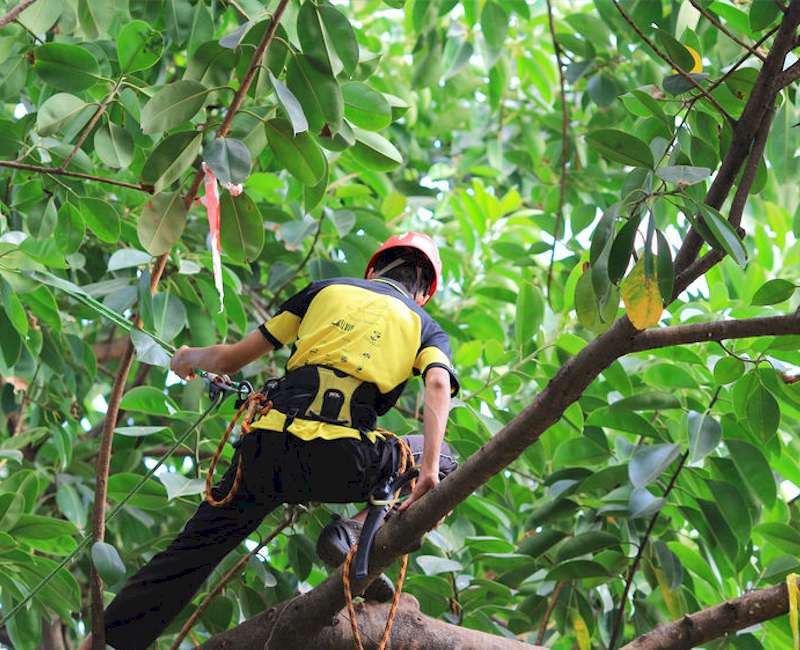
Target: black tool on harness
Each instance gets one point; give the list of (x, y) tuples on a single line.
[(381, 501)]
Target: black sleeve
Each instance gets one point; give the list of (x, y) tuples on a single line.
[(434, 352), (282, 328)]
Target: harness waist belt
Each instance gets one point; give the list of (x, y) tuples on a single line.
[(321, 402)]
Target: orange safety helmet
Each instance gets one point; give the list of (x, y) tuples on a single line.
[(418, 241)]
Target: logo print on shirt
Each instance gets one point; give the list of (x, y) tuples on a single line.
[(343, 325)]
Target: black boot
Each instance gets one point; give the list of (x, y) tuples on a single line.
[(333, 545)]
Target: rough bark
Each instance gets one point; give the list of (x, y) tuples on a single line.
[(413, 630), (715, 622)]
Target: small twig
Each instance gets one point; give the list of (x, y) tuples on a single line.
[(300, 267), (230, 575), (549, 612), (742, 60), (662, 55), (617, 630), (562, 184), (90, 125), (87, 177), (16, 11), (716, 22)]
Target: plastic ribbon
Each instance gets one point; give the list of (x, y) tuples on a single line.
[(212, 208), (794, 598)]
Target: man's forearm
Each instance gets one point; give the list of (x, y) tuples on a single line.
[(211, 358), (437, 409)]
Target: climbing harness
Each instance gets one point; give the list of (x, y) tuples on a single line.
[(255, 403), (382, 500)]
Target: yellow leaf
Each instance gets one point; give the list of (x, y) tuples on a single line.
[(668, 595), (581, 632), (698, 62), (641, 297)]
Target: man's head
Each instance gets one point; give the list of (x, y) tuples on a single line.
[(412, 260)]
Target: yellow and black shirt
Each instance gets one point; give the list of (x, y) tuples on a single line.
[(369, 329)]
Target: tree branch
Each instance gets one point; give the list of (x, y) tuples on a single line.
[(716, 331), (714, 622), (790, 75), (16, 11), (714, 21), (662, 55), (562, 183), (412, 629), (89, 126), (13, 164), (546, 618)]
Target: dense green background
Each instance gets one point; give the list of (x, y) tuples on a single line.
[(438, 115)]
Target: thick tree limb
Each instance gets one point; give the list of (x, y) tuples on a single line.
[(14, 12), (716, 331), (13, 164), (790, 75), (715, 622), (412, 630)]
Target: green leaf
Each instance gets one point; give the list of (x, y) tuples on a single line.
[(12, 505), (301, 555), (169, 315), (724, 233), (365, 107), (728, 369), (229, 159), (114, 146), (94, 18), (290, 104), (40, 16), (683, 174), (529, 313), (57, 112), (317, 44), (149, 400), (173, 105), (107, 562), (162, 222), (649, 462), (433, 565), (602, 90), (318, 93), (65, 67), (754, 469), (181, 486), (102, 218), (585, 543), (150, 496), (375, 152), (621, 147), (138, 431), (649, 401), (494, 25), (665, 270), (677, 52), (15, 312), (763, 413), (622, 249), (677, 84), (763, 13), (786, 538), (577, 570), (642, 503), (70, 228), (773, 292), (705, 434), (341, 36), (139, 46), (173, 156), (298, 153), (40, 527), (242, 230)]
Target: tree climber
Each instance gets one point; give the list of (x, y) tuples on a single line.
[(355, 344)]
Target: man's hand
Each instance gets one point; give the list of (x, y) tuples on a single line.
[(426, 481), (182, 364)]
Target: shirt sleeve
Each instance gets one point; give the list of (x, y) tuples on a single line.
[(282, 328), (435, 353)]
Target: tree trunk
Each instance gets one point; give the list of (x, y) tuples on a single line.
[(412, 631)]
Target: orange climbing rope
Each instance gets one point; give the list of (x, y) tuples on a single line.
[(406, 462), (255, 404)]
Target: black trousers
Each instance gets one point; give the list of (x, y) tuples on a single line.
[(277, 468)]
